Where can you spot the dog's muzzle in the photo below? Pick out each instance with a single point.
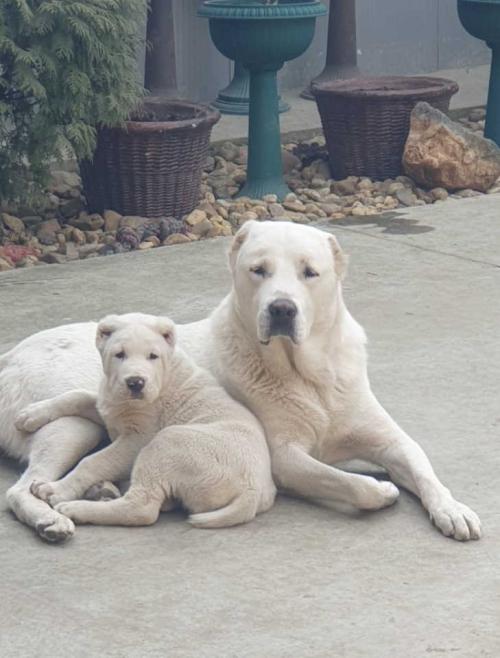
(282, 318)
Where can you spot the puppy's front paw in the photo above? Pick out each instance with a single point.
(32, 417)
(50, 492)
(456, 520)
(41, 489)
(74, 510)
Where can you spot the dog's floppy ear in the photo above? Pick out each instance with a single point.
(238, 240)
(105, 328)
(340, 258)
(166, 327)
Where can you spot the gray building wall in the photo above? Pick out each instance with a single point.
(414, 36)
(394, 37)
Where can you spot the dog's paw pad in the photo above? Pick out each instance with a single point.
(103, 491)
(56, 531)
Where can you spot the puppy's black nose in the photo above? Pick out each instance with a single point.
(135, 384)
(282, 310)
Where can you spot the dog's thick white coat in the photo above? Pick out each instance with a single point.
(310, 390)
(194, 444)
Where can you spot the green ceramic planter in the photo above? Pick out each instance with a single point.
(262, 38)
(481, 18)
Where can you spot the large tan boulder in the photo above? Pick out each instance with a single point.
(442, 153)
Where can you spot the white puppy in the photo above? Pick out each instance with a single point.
(210, 455)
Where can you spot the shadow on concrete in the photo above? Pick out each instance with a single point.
(392, 222)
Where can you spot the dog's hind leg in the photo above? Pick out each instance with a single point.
(54, 449)
(141, 505)
(138, 507)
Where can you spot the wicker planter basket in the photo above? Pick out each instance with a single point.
(366, 120)
(152, 166)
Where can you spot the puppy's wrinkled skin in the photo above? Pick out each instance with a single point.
(305, 378)
(210, 455)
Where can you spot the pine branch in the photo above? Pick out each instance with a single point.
(66, 66)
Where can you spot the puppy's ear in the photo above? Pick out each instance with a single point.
(238, 240)
(166, 327)
(340, 258)
(105, 328)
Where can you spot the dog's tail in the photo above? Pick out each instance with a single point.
(242, 509)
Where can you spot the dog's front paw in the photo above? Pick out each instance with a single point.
(50, 492)
(388, 492)
(74, 510)
(32, 417)
(41, 489)
(56, 530)
(456, 520)
(377, 495)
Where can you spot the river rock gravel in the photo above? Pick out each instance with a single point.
(59, 228)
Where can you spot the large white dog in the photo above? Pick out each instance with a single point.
(284, 344)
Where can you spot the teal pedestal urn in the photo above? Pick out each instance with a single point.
(235, 98)
(262, 37)
(481, 18)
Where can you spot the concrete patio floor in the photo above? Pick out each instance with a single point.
(300, 581)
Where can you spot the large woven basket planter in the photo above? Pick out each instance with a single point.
(366, 120)
(152, 166)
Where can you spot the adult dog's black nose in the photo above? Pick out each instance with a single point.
(282, 314)
(282, 310)
(135, 384)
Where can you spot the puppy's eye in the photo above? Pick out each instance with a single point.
(259, 270)
(120, 355)
(153, 356)
(309, 273)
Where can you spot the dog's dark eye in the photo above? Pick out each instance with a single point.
(120, 355)
(259, 270)
(309, 273)
(153, 356)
